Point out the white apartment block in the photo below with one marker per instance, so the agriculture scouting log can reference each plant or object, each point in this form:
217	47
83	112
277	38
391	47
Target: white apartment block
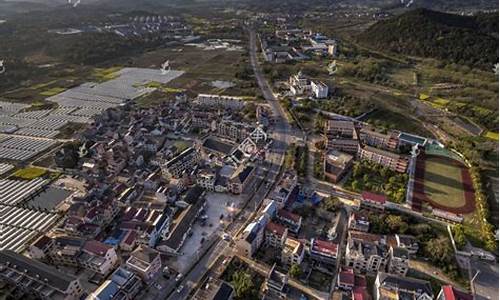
319	90
221	101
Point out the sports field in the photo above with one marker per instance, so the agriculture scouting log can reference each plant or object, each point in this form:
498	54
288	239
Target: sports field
444	183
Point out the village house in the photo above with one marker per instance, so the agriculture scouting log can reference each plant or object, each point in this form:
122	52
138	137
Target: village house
145	262
366	252
293	252
39	279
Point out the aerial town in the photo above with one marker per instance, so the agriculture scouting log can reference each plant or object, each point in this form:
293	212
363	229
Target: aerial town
246	155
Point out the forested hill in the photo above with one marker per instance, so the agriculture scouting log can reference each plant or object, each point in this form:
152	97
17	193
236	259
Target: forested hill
469	40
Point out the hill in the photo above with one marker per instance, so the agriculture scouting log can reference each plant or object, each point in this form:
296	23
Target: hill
468	40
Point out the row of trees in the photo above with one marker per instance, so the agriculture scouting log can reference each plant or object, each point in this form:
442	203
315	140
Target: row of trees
473	152
301	159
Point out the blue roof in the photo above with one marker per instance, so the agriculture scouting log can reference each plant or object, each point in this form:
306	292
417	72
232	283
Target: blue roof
121	276
109	290
413	139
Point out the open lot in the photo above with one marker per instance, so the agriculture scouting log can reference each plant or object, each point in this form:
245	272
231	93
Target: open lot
203	231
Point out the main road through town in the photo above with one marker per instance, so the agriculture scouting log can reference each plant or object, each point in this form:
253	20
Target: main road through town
274	160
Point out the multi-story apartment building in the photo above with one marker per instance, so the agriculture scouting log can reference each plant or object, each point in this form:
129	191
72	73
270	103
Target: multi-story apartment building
366	252
41	248
299	84
76	252
379	140
358	222
336	165
292	221
221	101
292	252
398	261
342	136
284	189
146	262
234	131
340	128
323	251
275	235
206	179
393	161
123	284
408	242
252	237
37	279
183	162
202	119
319	90
389	286
275	285
240	178
98	257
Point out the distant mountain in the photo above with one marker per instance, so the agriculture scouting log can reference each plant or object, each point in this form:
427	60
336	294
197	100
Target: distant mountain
469	40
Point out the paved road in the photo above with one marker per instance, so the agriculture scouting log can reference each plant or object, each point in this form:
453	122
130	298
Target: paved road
272	166
486	282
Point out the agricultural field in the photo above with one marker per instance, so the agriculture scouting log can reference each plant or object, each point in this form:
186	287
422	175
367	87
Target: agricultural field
203	70
29	173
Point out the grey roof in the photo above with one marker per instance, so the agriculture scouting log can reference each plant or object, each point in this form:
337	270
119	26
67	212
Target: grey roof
145	253
34	268
400	252
176	236
180	157
224	292
242	176
218	146
193	194
405	283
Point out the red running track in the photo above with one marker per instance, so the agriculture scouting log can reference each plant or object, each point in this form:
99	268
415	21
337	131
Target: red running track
419	196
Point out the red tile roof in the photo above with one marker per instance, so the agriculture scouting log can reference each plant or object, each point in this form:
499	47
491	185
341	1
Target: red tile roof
451	293
130	238
369	196
42	242
360	293
275	228
360	281
325	247
96	247
346	276
283	213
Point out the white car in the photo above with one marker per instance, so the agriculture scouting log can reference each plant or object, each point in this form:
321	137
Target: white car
226	237
179	289
178	277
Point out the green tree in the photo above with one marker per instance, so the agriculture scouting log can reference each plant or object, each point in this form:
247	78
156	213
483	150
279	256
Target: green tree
331	204
295	271
439	251
459	236
243	285
356	185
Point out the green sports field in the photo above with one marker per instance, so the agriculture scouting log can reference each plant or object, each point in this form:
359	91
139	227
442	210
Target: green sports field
443	182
